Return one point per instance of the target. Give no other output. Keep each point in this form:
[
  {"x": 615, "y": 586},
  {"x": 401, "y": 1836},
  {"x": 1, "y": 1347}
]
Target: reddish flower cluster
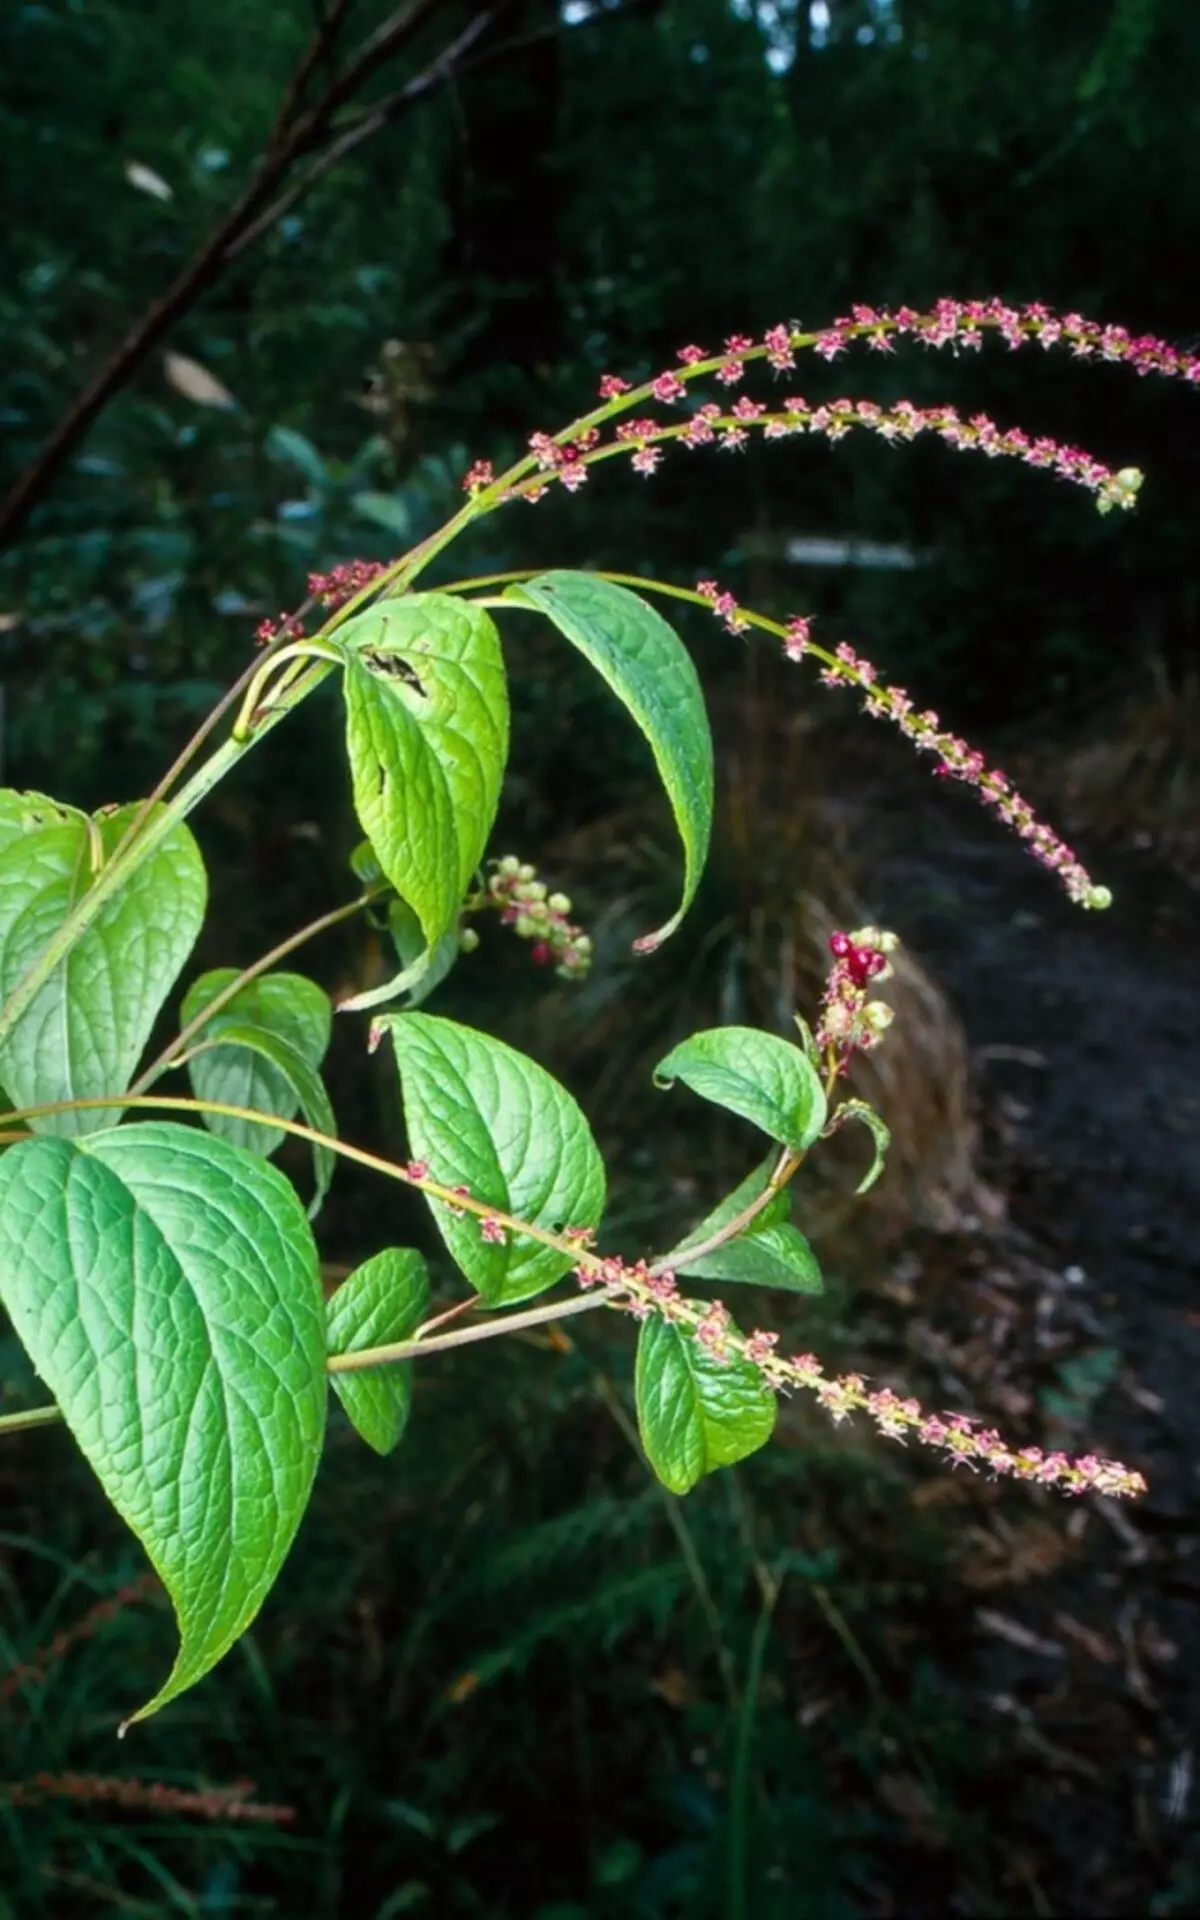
[
  {"x": 33, "y": 1671},
  {"x": 723, "y": 605},
  {"x": 287, "y": 626},
  {"x": 646, "y": 438},
  {"x": 642, "y": 1291},
  {"x": 963, "y": 323},
  {"x": 149, "y": 1796},
  {"x": 527, "y": 906},
  {"x": 337, "y": 586},
  {"x": 478, "y": 476},
  {"x": 851, "y": 1023},
  {"x": 956, "y": 760}
]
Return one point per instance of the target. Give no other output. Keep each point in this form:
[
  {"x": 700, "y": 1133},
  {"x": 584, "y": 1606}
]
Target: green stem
[
  {"x": 170, "y": 1055},
  {"x": 36, "y": 1417},
  {"x": 683, "y": 1539},
  {"x": 788, "y": 1165},
  {"x": 388, "y": 1355},
  {"x": 188, "y": 752},
  {"x": 466, "y": 1336},
  {"x": 132, "y": 851},
  {"x": 739, "y": 1784}
]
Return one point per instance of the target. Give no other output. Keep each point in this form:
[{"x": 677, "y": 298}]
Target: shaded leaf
[
  {"x": 382, "y": 1301},
  {"x": 293, "y": 1080},
  {"x": 770, "y": 1252},
  {"x": 287, "y": 1006}
]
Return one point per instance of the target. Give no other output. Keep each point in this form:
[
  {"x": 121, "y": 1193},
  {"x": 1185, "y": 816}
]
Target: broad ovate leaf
[
  {"x": 381, "y": 1302},
  {"x": 696, "y": 1412},
  {"x": 83, "y": 1034},
  {"x": 427, "y": 739},
  {"x": 769, "y": 1252},
  {"x": 766, "y": 1080},
  {"x": 651, "y": 672},
  {"x": 166, "y": 1287},
  {"x": 281, "y": 1006},
  {"x": 299, "y": 1084},
  {"x": 485, "y": 1117}
]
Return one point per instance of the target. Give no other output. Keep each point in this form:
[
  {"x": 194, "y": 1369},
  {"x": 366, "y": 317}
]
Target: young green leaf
[
  {"x": 696, "y": 1413},
  {"x": 764, "y": 1079},
  {"x": 82, "y": 1035},
  {"x": 382, "y": 1301},
  {"x": 651, "y": 672},
  {"x": 427, "y": 739},
  {"x": 165, "y": 1285},
  {"x": 294, "y": 1083},
  {"x": 770, "y": 1252},
  {"x": 487, "y": 1118},
  {"x": 880, "y": 1133},
  {"x": 284, "y": 1006},
  {"x": 409, "y": 942},
  {"x": 22, "y": 813}
]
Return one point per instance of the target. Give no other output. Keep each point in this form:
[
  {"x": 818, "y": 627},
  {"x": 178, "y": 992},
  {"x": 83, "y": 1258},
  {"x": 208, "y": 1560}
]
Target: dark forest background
[{"x": 502, "y": 1674}]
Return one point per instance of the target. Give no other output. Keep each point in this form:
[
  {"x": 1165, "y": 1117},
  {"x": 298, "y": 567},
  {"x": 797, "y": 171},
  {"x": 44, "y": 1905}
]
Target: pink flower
[{"x": 478, "y": 476}]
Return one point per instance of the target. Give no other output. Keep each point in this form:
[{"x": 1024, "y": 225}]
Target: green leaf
[
  {"x": 293, "y": 1083},
  {"x": 284, "y": 1006},
  {"x": 83, "y": 1034},
  {"x": 487, "y": 1118},
  {"x": 382, "y": 1301},
  {"x": 696, "y": 1413},
  {"x": 390, "y": 511},
  {"x": 770, "y": 1252},
  {"x": 651, "y": 672},
  {"x": 879, "y": 1131},
  {"x": 427, "y": 738},
  {"x": 409, "y": 942},
  {"x": 165, "y": 1285},
  {"x": 757, "y": 1075},
  {"x": 22, "y": 813}
]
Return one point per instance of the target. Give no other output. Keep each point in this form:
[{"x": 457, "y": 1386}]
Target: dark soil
[{"x": 1086, "y": 1039}]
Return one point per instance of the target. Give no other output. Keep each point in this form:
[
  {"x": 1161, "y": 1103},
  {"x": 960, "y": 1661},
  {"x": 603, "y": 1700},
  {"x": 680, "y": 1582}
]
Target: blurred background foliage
[{"x": 503, "y": 1675}]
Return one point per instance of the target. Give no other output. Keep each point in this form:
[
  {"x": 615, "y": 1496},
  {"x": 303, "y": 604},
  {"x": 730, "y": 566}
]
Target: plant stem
[
  {"x": 788, "y": 1165},
  {"x": 683, "y": 1539},
  {"x": 739, "y": 1784},
  {"x": 156, "y": 829},
  {"x": 467, "y": 1336},
  {"x": 174, "y": 1048},
  {"x": 388, "y": 1356},
  {"x": 35, "y": 1417}
]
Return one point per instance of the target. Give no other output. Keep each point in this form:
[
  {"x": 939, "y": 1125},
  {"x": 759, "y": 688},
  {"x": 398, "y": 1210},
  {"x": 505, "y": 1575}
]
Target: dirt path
[{"x": 1086, "y": 1032}]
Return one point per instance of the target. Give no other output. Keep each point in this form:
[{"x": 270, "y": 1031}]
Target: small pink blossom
[{"x": 478, "y": 476}]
